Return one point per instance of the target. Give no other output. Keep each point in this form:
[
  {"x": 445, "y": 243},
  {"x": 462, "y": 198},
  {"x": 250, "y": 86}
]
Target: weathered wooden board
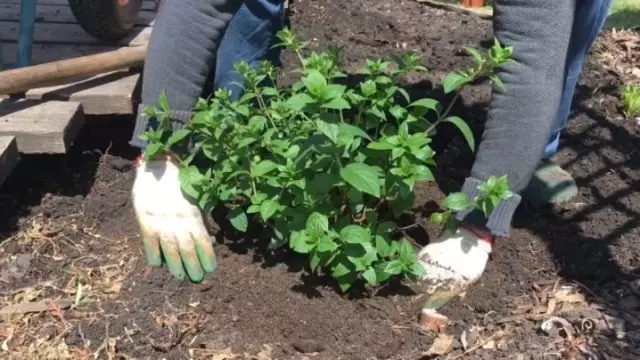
[
  {"x": 105, "y": 94},
  {"x": 9, "y": 156},
  {"x": 43, "y": 53},
  {"x": 57, "y": 14},
  {"x": 146, "y": 4},
  {"x": 50, "y": 33},
  {"x": 41, "y": 127}
]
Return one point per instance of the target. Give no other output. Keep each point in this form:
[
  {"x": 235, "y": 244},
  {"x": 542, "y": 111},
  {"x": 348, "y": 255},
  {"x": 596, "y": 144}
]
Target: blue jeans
[
  {"x": 589, "y": 18},
  {"x": 250, "y": 37}
]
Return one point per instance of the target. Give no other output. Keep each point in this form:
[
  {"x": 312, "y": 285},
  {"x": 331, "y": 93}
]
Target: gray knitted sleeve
[
  {"x": 181, "y": 54},
  {"x": 519, "y": 121}
]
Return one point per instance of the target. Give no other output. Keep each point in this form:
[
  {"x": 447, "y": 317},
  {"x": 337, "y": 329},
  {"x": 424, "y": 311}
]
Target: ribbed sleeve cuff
[
  {"x": 499, "y": 222},
  {"x": 143, "y": 123}
]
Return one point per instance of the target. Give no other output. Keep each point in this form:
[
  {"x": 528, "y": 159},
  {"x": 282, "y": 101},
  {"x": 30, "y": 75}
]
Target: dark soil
[{"x": 68, "y": 220}]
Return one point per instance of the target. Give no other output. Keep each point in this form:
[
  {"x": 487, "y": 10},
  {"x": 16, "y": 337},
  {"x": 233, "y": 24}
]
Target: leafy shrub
[{"x": 325, "y": 168}]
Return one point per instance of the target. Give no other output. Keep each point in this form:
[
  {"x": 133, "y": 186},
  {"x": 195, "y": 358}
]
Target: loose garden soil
[{"x": 68, "y": 227}]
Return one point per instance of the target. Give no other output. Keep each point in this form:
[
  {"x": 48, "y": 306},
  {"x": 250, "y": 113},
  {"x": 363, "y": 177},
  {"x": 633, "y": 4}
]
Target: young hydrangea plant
[{"x": 325, "y": 168}]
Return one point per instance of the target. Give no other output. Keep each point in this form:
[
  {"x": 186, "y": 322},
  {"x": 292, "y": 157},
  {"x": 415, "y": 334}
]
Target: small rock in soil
[
  {"x": 308, "y": 346},
  {"x": 120, "y": 164}
]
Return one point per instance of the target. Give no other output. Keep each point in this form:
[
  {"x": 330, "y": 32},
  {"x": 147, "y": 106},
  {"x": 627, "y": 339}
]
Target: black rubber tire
[{"x": 106, "y": 20}]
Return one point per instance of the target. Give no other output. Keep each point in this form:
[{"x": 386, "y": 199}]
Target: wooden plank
[
  {"x": 9, "y": 156},
  {"x": 42, "y": 53},
  {"x": 41, "y": 127},
  {"x": 146, "y": 4},
  {"x": 58, "y": 14},
  {"x": 49, "y": 33},
  {"x": 105, "y": 94}
]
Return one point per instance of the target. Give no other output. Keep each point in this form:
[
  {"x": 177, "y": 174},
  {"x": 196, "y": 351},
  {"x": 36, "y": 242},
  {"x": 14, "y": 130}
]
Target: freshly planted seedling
[
  {"x": 631, "y": 101},
  {"x": 325, "y": 168},
  {"x": 492, "y": 192}
]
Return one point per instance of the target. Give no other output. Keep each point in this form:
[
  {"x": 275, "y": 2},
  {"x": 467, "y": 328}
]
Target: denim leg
[
  {"x": 589, "y": 18},
  {"x": 250, "y": 37}
]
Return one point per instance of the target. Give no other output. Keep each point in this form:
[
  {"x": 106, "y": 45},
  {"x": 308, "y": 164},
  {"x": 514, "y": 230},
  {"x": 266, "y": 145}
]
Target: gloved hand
[
  {"x": 452, "y": 263},
  {"x": 171, "y": 226}
]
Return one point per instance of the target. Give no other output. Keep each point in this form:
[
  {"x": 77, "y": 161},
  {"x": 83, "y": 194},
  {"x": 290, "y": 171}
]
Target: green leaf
[
  {"x": 453, "y": 81},
  {"x": 317, "y": 225},
  {"x": 394, "y": 267},
  {"x": 457, "y": 202},
  {"x": 370, "y": 276},
  {"x": 246, "y": 142},
  {"x": 189, "y": 177},
  {"x": 464, "y": 129},
  {"x": 368, "y": 88},
  {"x": 360, "y": 255},
  {"x": 428, "y": 104},
  {"x": 322, "y": 183},
  {"x": 437, "y": 218},
  {"x": 326, "y": 244},
  {"x": 238, "y": 219},
  {"x": 268, "y": 208},
  {"x": 253, "y": 209},
  {"x": 355, "y": 234},
  {"x": 362, "y": 177},
  {"x": 404, "y": 94},
  {"x": 476, "y": 55},
  {"x": 383, "y": 246},
  {"x": 386, "y": 227},
  {"x": 351, "y": 130},
  {"x": 316, "y": 83},
  {"x": 346, "y": 281},
  {"x": 402, "y": 203},
  {"x": 341, "y": 267},
  {"x": 498, "y": 83},
  {"x": 337, "y": 104},
  {"x": 164, "y": 102},
  {"x": 298, "y": 101},
  {"x": 300, "y": 242},
  {"x": 177, "y": 136},
  {"x": 262, "y": 168},
  {"x": 330, "y": 130},
  {"x": 407, "y": 253},
  {"x": 319, "y": 259},
  {"x": 417, "y": 269},
  {"x": 381, "y": 145},
  {"x": 153, "y": 149},
  {"x": 423, "y": 173}
]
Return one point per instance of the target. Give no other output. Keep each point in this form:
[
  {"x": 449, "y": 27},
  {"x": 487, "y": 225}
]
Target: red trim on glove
[
  {"x": 165, "y": 157},
  {"x": 481, "y": 235}
]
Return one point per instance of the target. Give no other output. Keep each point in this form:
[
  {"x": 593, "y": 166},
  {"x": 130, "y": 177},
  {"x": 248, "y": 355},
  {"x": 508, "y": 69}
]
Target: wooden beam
[
  {"x": 105, "y": 94},
  {"x": 58, "y": 14},
  {"x": 9, "y": 156},
  {"x": 41, "y": 127},
  {"x": 43, "y": 53},
  {"x": 49, "y": 33}
]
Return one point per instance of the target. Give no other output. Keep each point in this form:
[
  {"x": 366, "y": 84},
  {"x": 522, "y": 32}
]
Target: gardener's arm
[
  {"x": 180, "y": 58},
  {"x": 517, "y": 128}
]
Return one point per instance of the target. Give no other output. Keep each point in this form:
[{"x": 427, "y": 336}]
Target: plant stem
[{"x": 444, "y": 114}]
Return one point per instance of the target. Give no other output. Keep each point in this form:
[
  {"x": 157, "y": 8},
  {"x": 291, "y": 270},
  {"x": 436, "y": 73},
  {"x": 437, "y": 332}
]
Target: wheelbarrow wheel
[{"x": 107, "y": 20}]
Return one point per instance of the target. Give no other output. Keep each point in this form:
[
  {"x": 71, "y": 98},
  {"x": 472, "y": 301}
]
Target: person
[
  {"x": 550, "y": 39},
  {"x": 191, "y": 52}
]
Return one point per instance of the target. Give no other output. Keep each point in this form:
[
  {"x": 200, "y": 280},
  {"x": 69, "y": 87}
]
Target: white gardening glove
[
  {"x": 452, "y": 263},
  {"x": 172, "y": 228}
]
